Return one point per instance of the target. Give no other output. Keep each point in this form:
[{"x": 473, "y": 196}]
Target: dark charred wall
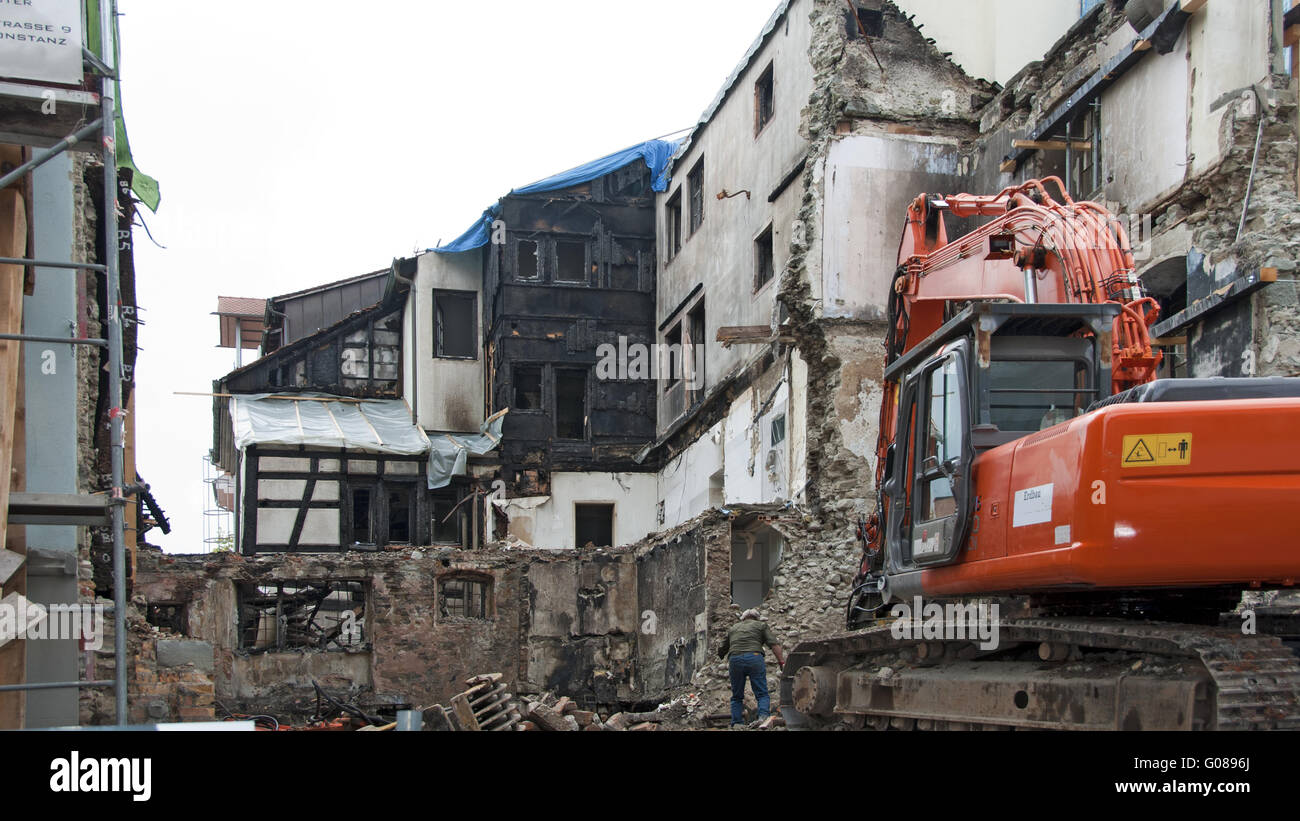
[
  {"x": 360, "y": 357},
  {"x": 577, "y": 271}
]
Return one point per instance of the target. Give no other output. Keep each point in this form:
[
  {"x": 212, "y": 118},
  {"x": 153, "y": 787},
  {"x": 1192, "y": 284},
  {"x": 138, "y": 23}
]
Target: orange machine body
[{"x": 1095, "y": 502}]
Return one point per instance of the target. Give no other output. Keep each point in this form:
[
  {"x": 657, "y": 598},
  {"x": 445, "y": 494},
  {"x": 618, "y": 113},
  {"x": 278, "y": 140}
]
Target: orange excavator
[{"x": 1061, "y": 539}]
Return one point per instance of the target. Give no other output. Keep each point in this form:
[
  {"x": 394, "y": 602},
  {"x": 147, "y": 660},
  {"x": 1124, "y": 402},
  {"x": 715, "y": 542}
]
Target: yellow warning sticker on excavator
[{"x": 1157, "y": 450}]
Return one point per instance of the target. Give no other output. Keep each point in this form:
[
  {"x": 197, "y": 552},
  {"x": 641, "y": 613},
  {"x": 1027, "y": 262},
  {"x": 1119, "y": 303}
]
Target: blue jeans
[{"x": 748, "y": 666}]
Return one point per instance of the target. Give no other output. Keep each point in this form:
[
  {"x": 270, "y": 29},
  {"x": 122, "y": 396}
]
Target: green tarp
[{"x": 144, "y": 186}]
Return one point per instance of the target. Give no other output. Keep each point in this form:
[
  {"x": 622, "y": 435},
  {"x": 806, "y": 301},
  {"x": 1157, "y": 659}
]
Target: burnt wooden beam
[
  {"x": 58, "y": 509},
  {"x": 1238, "y": 288},
  {"x": 750, "y": 335}
]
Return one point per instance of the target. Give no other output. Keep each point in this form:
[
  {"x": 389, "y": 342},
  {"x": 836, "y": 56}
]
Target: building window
[
  {"x": 670, "y": 362},
  {"x": 764, "y": 259},
  {"x": 317, "y": 615},
  {"x": 362, "y": 515},
  {"x": 455, "y": 324},
  {"x": 764, "y": 100},
  {"x": 526, "y": 266},
  {"x": 465, "y": 598},
  {"x": 448, "y": 525},
  {"x": 870, "y": 20},
  {"x": 528, "y": 388},
  {"x": 694, "y": 351},
  {"x": 593, "y": 525},
  {"x": 571, "y": 404},
  {"x": 570, "y": 261},
  {"x": 399, "y": 514},
  {"x": 695, "y": 182},
  {"x": 172, "y": 617},
  {"x": 778, "y": 430},
  {"x": 674, "y": 216}
]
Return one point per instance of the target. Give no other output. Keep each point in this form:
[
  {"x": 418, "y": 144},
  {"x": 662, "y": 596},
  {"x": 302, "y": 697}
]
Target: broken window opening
[
  {"x": 593, "y": 525},
  {"x": 399, "y": 514},
  {"x": 465, "y": 597},
  {"x": 528, "y": 388},
  {"x": 570, "y": 261},
  {"x": 671, "y": 361},
  {"x": 526, "y": 266},
  {"x": 695, "y": 182},
  {"x": 674, "y": 217},
  {"x": 454, "y": 318},
  {"x": 168, "y": 616},
  {"x": 870, "y": 20},
  {"x": 755, "y": 558},
  {"x": 362, "y": 508},
  {"x": 764, "y": 259},
  {"x": 570, "y": 404},
  {"x": 764, "y": 99},
  {"x": 693, "y": 353},
  {"x": 448, "y": 527},
  {"x": 302, "y": 615}
]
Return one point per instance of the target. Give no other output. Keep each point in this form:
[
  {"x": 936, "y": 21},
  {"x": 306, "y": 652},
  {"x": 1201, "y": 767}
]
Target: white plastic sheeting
[
  {"x": 379, "y": 426},
  {"x": 449, "y": 454}
]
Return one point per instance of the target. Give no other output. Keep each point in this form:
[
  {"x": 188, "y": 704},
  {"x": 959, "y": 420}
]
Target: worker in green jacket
[{"x": 743, "y": 647}]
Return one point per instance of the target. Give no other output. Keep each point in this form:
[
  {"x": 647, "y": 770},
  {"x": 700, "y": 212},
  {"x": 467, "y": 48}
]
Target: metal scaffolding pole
[{"x": 113, "y": 332}]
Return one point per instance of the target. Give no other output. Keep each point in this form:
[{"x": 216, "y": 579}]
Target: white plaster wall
[
  {"x": 685, "y": 482},
  {"x": 993, "y": 39},
  {"x": 550, "y": 524},
  {"x": 721, "y": 253},
  {"x": 798, "y": 426},
  {"x": 450, "y": 391},
  {"x": 869, "y": 182},
  {"x": 1144, "y": 156},
  {"x": 1228, "y": 50}
]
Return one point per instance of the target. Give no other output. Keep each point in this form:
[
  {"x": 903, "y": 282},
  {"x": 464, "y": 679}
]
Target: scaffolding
[
  {"x": 103, "y": 127},
  {"x": 218, "y": 508}
]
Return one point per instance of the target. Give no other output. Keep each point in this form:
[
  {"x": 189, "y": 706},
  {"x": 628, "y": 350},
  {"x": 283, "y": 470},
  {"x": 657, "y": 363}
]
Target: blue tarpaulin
[{"x": 655, "y": 153}]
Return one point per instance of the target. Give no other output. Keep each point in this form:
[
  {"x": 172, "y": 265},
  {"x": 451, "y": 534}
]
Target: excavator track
[{"x": 1050, "y": 673}]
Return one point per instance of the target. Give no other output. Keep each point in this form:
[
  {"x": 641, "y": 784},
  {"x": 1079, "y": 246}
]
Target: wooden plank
[
  {"x": 13, "y": 243},
  {"x": 9, "y": 564},
  {"x": 57, "y": 509},
  {"x": 1052, "y": 145},
  {"x": 1191, "y": 6}
]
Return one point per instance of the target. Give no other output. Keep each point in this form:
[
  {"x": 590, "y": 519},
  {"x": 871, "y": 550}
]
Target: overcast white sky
[{"x": 298, "y": 143}]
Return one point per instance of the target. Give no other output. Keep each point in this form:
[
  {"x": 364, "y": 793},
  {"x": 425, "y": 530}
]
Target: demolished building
[{"x": 590, "y": 532}]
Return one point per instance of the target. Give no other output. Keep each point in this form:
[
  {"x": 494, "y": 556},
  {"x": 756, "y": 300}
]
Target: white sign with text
[{"x": 41, "y": 40}]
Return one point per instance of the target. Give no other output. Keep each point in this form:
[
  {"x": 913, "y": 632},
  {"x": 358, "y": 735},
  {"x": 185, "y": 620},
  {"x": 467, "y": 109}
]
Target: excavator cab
[{"x": 991, "y": 375}]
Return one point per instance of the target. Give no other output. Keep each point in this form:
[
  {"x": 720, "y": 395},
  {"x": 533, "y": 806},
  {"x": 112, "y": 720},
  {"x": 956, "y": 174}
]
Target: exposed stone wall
[{"x": 607, "y": 628}]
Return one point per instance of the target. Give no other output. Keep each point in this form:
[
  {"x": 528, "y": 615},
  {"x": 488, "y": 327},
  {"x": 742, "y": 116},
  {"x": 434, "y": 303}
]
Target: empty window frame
[
  {"x": 764, "y": 100},
  {"x": 695, "y": 184},
  {"x": 570, "y": 404},
  {"x": 693, "y": 352},
  {"x": 317, "y": 615},
  {"x": 361, "y": 499},
  {"x": 372, "y": 353},
  {"x": 449, "y": 519},
  {"x": 593, "y": 525},
  {"x": 527, "y": 388},
  {"x": 401, "y": 512},
  {"x": 870, "y": 20},
  {"x": 764, "y": 259},
  {"x": 526, "y": 260},
  {"x": 670, "y": 363},
  {"x": 455, "y": 324},
  {"x": 778, "y": 430},
  {"x": 570, "y": 260},
  {"x": 673, "y": 215},
  {"x": 465, "y": 597}
]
